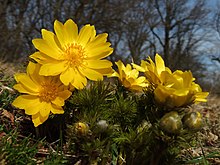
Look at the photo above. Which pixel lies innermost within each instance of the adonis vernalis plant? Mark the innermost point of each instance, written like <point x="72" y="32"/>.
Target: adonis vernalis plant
<point x="71" y="55"/>
<point x="182" y="92"/>
<point x="40" y="95"/>
<point x="129" y="77"/>
<point x="154" y="72"/>
<point x="171" y="89"/>
<point x="108" y="124"/>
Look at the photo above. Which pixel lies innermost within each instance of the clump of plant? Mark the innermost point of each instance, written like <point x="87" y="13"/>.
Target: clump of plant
<point x="138" y="120"/>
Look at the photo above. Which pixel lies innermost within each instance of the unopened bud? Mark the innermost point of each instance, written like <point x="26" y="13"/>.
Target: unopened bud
<point x="102" y="124"/>
<point x="193" y="120"/>
<point x="171" y="122"/>
<point x="81" y="128"/>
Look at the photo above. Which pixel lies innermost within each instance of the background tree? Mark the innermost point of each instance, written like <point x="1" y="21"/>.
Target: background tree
<point x="179" y="27"/>
<point x="216" y="18"/>
<point x="137" y="28"/>
<point x="213" y="76"/>
<point x="22" y="20"/>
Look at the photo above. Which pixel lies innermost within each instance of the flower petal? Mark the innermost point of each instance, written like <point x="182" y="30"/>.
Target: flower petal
<point x="99" y="52"/>
<point x="137" y="87"/>
<point x="141" y="79"/>
<point x="114" y="74"/>
<point x="139" y="68"/>
<point x="22" y="89"/>
<point x="58" y="101"/>
<point x="38" y="119"/>
<point x="105" y="71"/>
<point x="59" y="30"/>
<point x="91" y="74"/>
<point x="161" y="94"/>
<point x="34" y="108"/>
<point x="28" y="103"/>
<point x="43" y="46"/>
<point x="133" y="73"/>
<point x="33" y="72"/>
<point x="50" y="38"/>
<point x="98" y="64"/>
<point x="25" y="80"/>
<point x="85" y="34"/>
<point x="53" y="69"/>
<point x="159" y="64"/>
<point x="65" y="94"/>
<point x="99" y="40"/>
<point x="201" y="97"/>
<point x="44" y="109"/>
<point x="67" y="76"/>
<point x="41" y="58"/>
<point x="56" y="109"/>
<point x="71" y="31"/>
<point x="79" y="81"/>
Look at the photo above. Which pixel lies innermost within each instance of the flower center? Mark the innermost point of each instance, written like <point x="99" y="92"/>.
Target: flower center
<point x="75" y="54"/>
<point x="48" y="92"/>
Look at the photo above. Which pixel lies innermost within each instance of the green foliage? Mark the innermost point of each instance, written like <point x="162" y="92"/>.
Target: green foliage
<point x="91" y="101"/>
<point x="103" y="124"/>
<point x="15" y="150"/>
<point x="203" y="159"/>
<point x="123" y="112"/>
<point x="133" y="133"/>
<point x="90" y="106"/>
<point x="55" y="159"/>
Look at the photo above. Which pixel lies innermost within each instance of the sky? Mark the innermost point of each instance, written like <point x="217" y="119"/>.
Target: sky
<point x="212" y="3"/>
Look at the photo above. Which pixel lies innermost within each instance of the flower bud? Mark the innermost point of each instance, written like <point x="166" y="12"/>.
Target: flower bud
<point x="102" y="125"/>
<point x="81" y="128"/>
<point x="171" y="122"/>
<point x="193" y="120"/>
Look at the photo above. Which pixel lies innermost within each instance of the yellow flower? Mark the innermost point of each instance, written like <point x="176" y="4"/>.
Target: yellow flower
<point x="40" y="95"/>
<point x="129" y="77"/>
<point x="182" y="91"/>
<point x="172" y="89"/>
<point x="74" y="57"/>
<point x="156" y="72"/>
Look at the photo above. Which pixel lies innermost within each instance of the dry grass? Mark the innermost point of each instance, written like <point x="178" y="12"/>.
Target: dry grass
<point x="9" y="69"/>
<point x="209" y="136"/>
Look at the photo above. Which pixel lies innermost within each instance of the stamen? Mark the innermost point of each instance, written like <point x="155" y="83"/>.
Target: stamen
<point x="75" y="54"/>
<point x="48" y="91"/>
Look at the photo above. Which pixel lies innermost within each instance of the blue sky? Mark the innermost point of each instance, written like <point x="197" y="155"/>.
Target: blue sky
<point x="212" y="3"/>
